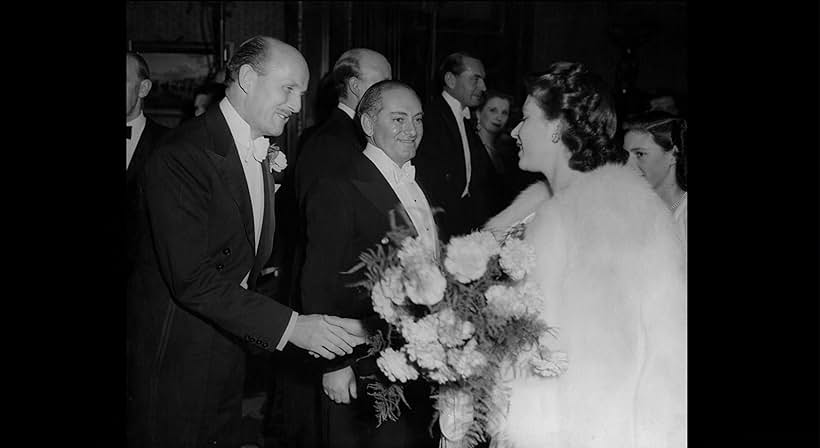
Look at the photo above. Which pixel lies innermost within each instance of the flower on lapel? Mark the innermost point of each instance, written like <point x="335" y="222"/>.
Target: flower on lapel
<point x="277" y="161"/>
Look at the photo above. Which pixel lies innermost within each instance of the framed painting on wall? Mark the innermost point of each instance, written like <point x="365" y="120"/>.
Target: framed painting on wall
<point x="176" y="72"/>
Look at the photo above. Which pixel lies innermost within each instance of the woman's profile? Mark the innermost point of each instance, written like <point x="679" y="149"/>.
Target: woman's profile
<point x="610" y="267"/>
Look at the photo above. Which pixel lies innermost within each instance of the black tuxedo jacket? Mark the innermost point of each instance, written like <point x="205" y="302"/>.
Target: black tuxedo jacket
<point x="187" y="313"/>
<point x="327" y="152"/>
<point x="149" y="140"/>
<point x="347" y="215"/>
<point x="440" y="168"/>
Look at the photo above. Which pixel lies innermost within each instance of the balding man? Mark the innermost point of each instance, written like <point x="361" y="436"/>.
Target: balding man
<point x="325" y="153"/>
<point x="192" y="308"/>
<point x="141" y="137"/>
<point x="346" y="215"/>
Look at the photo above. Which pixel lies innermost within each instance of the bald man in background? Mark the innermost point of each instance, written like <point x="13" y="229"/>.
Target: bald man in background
<point x="325" y="153"/>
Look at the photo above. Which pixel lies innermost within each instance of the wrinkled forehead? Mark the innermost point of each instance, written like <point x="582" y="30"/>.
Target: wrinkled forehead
<point x="400" y="100"/>
<point x="289" y="66"/>
<point x="472" y="67"/>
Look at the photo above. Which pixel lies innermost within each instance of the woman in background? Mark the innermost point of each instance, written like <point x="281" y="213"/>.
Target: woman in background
<point x="656" y="142"/>
<point x="493" y="114"/>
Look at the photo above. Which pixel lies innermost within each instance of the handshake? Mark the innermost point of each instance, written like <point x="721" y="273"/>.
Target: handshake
<point x="327" y="336"/>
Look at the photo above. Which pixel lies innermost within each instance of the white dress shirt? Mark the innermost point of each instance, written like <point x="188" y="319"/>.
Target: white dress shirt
<point x="402" y="181"/>
<point x="137" y="126"/>
<point x="460" y="113"/>
<point x="241" y="132"/>
<point x="346" y="109"/>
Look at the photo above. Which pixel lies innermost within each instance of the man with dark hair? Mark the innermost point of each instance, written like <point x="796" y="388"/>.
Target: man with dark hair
<point x="192" y="305"/>
<point x="347" y="214"/>
<point x="141" y="137"/>
<point x="451" y="162"/>
<point x="326" y="152"/>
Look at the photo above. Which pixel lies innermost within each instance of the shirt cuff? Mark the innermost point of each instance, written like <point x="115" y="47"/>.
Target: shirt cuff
<point x="288" y="331"/>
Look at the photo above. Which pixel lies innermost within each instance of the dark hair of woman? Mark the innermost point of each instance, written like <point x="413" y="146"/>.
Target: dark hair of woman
<point x="582" y="101"/>
<point x="668" y="131"/>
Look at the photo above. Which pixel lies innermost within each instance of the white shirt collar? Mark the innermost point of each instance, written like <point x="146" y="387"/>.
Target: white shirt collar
<point x="240" y="130"/>
<point x="137" y="125"/>
<point x="350" y="112"/>
<point x="389" y="169"/>
<point x="137" y="121"/>
<point x="455" y="105"/>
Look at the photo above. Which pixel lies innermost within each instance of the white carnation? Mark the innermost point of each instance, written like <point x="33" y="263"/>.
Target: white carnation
<point x="517" y="258"/>
<point x="529" y="295"/>
<point x="422" y="331"/>
<point x="414" y="252"/>
<point x="425" y="285"/>
<point x="394" y="364"/>
<point x="428" y="355"/>
<point x="383" y="305"/>
<point x="453" y="331"/>
<point x="393" y="287"/>
<point x="467" y="256"/>
<point x="466" y="361"/>
<point x="504" y="301"/>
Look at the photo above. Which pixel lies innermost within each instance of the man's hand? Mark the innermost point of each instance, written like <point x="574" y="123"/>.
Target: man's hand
<point x="316" y="335"/>
<point x="352" y="326"/>
<point x="340" y="385"/>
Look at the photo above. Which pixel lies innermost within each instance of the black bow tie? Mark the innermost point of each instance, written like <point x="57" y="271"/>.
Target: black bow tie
<point x="127" y="132"/>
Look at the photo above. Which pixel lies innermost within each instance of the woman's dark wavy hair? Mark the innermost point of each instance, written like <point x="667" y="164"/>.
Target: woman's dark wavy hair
<point x="570" y="92"/>
<point x="668" y="131"/>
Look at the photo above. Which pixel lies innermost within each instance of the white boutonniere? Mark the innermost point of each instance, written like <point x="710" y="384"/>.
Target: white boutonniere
<point x="277" y="161"/>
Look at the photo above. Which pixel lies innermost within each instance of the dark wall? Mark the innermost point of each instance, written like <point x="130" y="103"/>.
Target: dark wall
<point x="512" y="38"/>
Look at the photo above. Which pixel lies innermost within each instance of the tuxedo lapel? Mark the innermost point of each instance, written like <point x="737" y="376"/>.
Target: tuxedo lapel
<point x="452" y="130"/>
<point x="230" y="167"/>
<point x="145" y="143"/>
<point x="374" y="187"/>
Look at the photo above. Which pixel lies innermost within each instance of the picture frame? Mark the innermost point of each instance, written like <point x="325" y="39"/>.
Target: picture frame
<point x="177" y="70"/>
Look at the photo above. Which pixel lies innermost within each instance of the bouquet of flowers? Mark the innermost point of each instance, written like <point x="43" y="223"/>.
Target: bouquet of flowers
<point x="454" y="314"/>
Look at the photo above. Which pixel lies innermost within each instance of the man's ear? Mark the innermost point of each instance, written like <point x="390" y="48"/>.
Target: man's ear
<point x="450" y="80"/>
<point x="367" y="125"/>
<point x="247" y="77"/>
<point x="145" y="87"/>
<point x="353" y="86"/>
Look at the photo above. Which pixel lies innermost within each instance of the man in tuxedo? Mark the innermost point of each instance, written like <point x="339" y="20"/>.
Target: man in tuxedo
<point x="346" y="215"/>
<point x="192" y="308"/>
<point x="327" y="152"/>
<point x="452" y="163"/>
<point x="141" y="137"/>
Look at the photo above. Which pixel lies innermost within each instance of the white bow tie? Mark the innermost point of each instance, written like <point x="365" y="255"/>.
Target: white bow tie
<point x="406" y="174"/>
<point x="465" y="113"/>
<point x="259" y="148"/>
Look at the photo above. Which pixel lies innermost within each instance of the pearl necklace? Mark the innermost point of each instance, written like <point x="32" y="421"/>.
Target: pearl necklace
<point x="682" y="197"/>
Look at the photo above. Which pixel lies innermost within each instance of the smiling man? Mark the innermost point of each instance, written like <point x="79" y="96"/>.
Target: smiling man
<point x="348" y="214"/>
<point x="192" y="308"/>
<point x="452" y="163"/>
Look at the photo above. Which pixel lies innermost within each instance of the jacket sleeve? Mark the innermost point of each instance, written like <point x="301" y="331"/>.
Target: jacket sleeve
<point x="178" y="186"/>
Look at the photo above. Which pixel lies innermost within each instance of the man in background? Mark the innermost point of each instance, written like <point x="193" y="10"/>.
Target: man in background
<point x="141" y="137"/>
<point x="452" y="164"/>
<point x="326" y="152"/>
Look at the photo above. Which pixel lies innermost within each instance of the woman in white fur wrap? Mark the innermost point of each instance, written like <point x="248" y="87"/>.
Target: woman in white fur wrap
<point x="610" y="267"/>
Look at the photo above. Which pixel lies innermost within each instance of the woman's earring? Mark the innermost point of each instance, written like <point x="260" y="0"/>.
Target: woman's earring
<point x="555" y="137"/>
